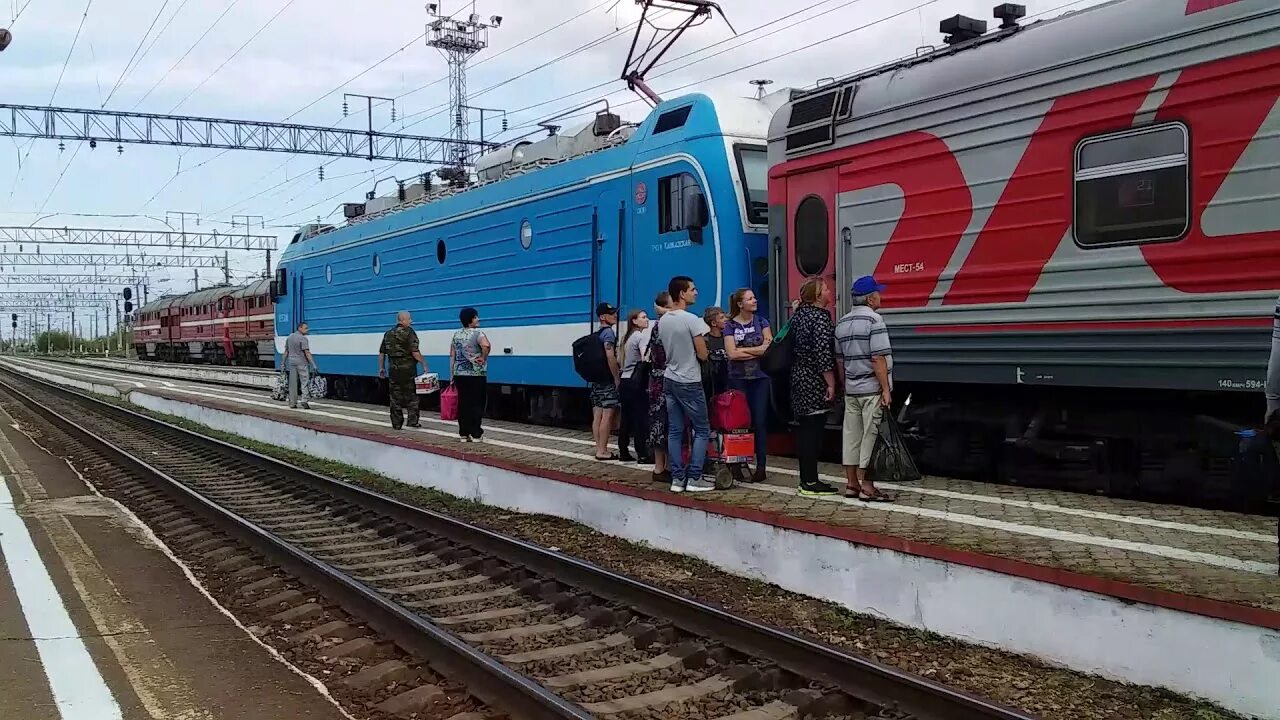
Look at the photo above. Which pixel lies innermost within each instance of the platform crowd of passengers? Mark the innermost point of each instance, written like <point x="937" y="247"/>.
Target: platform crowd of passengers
<point x="691" y="393"/>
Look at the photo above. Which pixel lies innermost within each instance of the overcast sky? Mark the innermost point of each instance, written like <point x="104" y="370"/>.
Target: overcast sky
<point x="299" y="64"/>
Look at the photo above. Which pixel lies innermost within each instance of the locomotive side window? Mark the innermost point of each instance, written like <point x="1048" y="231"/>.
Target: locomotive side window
<point x="1132" y="187"/>
<point x="813" y="236"/>
<point x="675" y="196"/>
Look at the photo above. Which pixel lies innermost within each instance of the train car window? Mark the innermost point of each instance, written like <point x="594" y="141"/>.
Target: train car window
<point x="526" y="235"/>
<point x="753" y="169"/>
<point x="813" y="236"/>
<point x="672" y="119"/>
<point x="377" y="264"/>
<point x="674" y="192"/>
<point x="441" y="251"/>
<point x="1132" y="187"/>
<point x="328" y="273"/>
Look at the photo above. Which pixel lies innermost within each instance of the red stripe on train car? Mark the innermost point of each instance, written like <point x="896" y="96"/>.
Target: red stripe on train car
<point x="1087" y="325"/>
<point x="1195" y="6"/>
<point x="938" y="207"/>
<point x="1225" y="104"/>
<point x="1034" y="212"/>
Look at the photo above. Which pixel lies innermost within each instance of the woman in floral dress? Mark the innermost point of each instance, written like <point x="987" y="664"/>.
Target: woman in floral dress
<point x="813" y="380"/>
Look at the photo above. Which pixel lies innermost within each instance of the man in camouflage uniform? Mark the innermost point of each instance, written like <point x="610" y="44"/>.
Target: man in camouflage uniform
<point x="400" y="343"/>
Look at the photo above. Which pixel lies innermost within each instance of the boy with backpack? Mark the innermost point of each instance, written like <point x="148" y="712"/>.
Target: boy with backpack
<point x="595" y="359"/>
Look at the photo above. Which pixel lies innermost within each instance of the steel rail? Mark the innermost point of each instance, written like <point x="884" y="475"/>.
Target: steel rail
<point x="485" y="677"/>
<point x="861" y="677"/>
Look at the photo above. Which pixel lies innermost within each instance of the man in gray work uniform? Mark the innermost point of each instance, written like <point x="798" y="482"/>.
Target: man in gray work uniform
<point x="300" y="364"/>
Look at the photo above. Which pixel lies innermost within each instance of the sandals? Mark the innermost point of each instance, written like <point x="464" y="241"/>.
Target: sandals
<point x="612" y="456"/>
<point x="877" y="496"/>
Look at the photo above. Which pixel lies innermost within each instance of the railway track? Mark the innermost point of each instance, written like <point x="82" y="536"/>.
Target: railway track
<point x="530" y="632"/>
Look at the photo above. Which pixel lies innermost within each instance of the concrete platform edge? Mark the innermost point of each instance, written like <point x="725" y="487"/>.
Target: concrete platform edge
<point x="995" y="602"/>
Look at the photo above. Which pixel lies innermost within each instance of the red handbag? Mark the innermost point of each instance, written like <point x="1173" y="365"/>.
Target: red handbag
<point x="449" y="403"/>
<point x="729" y="411"/>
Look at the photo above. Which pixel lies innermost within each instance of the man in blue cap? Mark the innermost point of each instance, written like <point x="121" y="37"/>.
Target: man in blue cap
<point x="864" y="367"/>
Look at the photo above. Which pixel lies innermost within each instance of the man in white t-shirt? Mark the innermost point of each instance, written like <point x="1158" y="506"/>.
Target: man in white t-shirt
<point x="681" y="333"/>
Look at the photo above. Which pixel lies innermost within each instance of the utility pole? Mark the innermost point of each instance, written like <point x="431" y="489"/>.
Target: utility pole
<point x="369" y="106"/>
<point x="197" y="279"/>
<point x="182" y="220"/>
<point x="248" y="221"/>
<point x="226" y="268"/>
<point x="482" y="111"/>
<point x="458" y="41"/>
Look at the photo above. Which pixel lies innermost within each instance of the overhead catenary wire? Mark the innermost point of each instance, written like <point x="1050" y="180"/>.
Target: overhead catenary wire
<point x="191" y="48"/>
<point x="541" y="34"/>
<point x="823" y="41"/>
<point x="141" y="41"/>
<point x="439" y="110"/>
<point x="357" y="76"/>
<point x="233" y="56"/>
<point x="741" y="36"/>
<point x="61" y="73"/>
<point x="522" y="43"/>
<point x="758" y="63"/>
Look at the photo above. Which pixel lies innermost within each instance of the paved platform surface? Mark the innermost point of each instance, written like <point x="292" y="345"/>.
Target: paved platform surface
<point x="97" y="624"/>
<point x="1215" y="563"/>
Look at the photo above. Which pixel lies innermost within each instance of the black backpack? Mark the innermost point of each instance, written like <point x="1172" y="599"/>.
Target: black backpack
<point x="589" y="359"/>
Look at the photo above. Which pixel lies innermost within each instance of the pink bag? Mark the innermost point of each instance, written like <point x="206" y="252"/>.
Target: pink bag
<point x="729" y="411"/>
<point x="449" y="403"/>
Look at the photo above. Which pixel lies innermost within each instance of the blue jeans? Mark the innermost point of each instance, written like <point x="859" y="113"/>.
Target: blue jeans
<point x="686" y="403"/>
<point x="757" y="392"/>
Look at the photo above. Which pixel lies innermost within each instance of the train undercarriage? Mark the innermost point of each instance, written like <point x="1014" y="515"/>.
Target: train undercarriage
<point x="246" y="353"/>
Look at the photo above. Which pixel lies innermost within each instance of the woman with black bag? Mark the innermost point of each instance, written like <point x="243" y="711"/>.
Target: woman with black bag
<point x="634" y="350"/>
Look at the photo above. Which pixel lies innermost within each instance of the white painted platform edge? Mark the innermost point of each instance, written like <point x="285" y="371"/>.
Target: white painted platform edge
<point x="247" y="379"/>
<point x="95" y="388"/>
<point x="79" y="690"/>
<point x="1229" y="663"/>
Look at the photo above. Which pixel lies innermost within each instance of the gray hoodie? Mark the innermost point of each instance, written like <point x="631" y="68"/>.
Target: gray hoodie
<point x="1273" y="367"/>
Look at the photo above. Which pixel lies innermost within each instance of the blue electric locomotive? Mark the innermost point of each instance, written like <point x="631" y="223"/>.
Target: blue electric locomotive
<point x="542" y="233"/>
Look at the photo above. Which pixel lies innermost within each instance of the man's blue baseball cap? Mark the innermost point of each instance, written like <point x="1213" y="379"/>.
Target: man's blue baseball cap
<point x="866" y="285"/>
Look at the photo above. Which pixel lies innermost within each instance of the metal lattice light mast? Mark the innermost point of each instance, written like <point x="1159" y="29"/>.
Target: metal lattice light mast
<point x="458" y="41"/>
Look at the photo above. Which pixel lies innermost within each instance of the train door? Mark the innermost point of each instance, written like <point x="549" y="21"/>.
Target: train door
<point x="811" y="201"/>
<point x="608" y="229"/>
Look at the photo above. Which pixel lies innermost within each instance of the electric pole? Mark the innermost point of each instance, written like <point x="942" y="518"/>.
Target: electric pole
<point x="458" y="41"/>
<point x="248" y="221"/>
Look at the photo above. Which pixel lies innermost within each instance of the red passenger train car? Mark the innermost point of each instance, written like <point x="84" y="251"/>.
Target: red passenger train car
<point x="1077" y="223"/>
<point x="224" y="325"/>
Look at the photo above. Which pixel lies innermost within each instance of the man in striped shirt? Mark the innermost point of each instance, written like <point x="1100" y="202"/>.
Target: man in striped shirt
<point x="865" y="369"/>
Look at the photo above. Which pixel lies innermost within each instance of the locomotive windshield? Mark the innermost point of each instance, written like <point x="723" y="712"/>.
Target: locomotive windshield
<point x="753" y="167"/>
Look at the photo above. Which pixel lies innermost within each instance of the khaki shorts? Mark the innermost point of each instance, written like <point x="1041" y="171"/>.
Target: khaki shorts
<point x="861" y="428"/>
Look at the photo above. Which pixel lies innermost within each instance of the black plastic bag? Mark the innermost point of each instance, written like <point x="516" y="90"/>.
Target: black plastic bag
<point x="777" y="359"/>
<point x="891" y="461"/>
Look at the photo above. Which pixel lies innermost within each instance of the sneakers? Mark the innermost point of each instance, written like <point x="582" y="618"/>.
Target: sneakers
<point x="414" y="425"/>
<point x="677" y="486"/>
<point x="306" y="406"/>
<point x="818" y="489"/>
<point x="699" y="485"/>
